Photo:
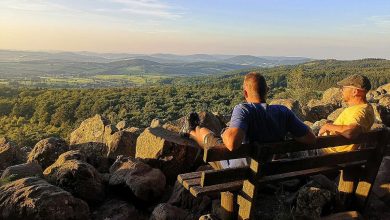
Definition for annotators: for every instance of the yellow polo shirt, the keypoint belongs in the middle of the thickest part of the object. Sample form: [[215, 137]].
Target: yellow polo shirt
[[362, 115]]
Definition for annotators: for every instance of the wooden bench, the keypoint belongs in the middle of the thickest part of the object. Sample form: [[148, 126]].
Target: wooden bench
[[359, 169]]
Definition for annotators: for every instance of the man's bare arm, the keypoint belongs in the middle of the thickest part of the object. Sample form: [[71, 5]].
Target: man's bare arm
[[348, 131], [233, 137], [308, 138]]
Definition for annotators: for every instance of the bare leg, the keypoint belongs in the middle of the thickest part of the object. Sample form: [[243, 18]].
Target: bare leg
[[198, 135]]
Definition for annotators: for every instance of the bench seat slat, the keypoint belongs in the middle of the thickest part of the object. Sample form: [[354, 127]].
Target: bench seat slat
[[211, 177], [232, 186], [187, 176]]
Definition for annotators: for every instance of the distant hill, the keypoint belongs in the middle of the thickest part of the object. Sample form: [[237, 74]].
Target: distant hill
[[31, 63]]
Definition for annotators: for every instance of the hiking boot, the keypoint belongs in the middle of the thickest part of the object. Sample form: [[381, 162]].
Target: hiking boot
[[190, 123]]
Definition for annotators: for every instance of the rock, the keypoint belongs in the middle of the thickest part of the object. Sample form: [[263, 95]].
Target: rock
[[102, 143], [333, 116], [384, 89], [77, 177], [184, 199], [34, 198], [46, 151], [165, 211], [291, 185], [311, 201], [372, 96], [23, 170], [155, 123], [173, 153], [381, 186], [91, 136], [122, 143], [377, 126], [207, 119], [10, 154], [143, 181], [71, 155], [317, 125], [376, 208], [332, 96], [315, 111], [122, 125], [351, 215], [291, 104], [382, 114], [116, 210], [385, 101], [95, 129], [211, 122]]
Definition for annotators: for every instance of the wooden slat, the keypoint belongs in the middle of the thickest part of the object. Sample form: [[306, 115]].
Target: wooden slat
[[187, 176], [211, 177], [232, 186], [255, 149], [191, 183], [277, 167]]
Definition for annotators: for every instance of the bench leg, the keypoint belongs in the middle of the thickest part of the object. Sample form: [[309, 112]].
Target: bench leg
[[228, 205], [347, 185]]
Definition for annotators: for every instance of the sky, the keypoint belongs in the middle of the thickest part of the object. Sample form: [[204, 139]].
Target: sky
[[339, 29]]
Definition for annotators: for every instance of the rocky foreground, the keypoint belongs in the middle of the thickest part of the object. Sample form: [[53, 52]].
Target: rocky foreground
[[119, 172]]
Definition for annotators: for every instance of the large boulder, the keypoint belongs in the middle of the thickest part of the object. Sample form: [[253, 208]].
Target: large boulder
[[335, 114], [92, 135], [182, 198], [291, 104], [317, 110], [332, 96], [77, 177], [34, 198], [22, 170], [122, 143], [384, 89], [165, 211], [381, 187], [207, 119], [311, 201], [101, 141], [385, 101], [46, 151], [10, 154], [382, 114], [116, 210], [170, 152], [137, 178]]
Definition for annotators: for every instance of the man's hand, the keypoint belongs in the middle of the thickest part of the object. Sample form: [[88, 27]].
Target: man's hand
[[348, 131]]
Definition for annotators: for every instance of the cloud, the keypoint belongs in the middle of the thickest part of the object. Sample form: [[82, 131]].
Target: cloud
[[382, 21], [129, 9]]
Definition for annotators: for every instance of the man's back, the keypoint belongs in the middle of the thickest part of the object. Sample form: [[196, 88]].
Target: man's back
[[266, 123]]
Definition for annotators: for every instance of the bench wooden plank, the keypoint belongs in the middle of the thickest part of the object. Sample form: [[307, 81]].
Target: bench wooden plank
[[232, 186], [191, 183], [211, 177], [187, 176], [246, 150], [285, 166]]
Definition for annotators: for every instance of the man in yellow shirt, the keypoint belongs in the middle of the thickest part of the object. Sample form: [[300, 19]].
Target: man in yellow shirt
[[354, 120]]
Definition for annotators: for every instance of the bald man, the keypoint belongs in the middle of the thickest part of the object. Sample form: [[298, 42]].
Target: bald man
[[252, 121]]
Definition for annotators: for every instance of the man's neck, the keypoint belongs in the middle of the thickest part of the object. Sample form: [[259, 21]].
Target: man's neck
[[357, 101]]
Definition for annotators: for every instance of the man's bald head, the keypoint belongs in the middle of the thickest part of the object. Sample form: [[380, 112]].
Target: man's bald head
[[255, 86]]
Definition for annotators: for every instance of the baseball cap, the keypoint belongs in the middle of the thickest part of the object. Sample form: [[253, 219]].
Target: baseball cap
[[356, 80]]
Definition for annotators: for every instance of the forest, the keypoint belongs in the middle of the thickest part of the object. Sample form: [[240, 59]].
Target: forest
[[28, 115]]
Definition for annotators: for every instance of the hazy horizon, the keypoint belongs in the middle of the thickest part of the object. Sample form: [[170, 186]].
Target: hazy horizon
[[331, 29]]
